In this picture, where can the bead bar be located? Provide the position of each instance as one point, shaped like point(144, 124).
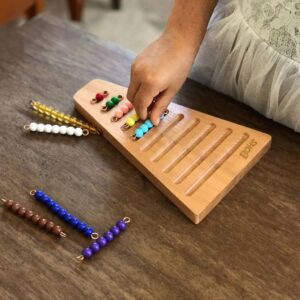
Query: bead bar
point(49, 112)
point(145, 127)
point(112, 103)
point(35, 218)
point(122, 111)
point(99, 97)
point(130, 121)
point(64, 215)
point(48, 128)
point(102, 241)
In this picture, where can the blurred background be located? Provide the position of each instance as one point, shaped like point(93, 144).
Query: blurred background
point(132, 24)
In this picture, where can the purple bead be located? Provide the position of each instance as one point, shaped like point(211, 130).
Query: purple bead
point(61, 212)
point(121, 225)
point(115, 230)
point(68, 217)
point(108, 236)
point(94, 247)
point(50, 203)
point(81, 226)
point(87, 253)
point(88, 231)
point(55, 208)
point(74, 222)
point(45, 199)
point(38, 195)
point(101, 241)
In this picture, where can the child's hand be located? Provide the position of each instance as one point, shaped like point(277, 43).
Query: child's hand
point(159, 72)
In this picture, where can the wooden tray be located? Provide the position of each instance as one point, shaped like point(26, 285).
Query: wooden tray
point(193, 158)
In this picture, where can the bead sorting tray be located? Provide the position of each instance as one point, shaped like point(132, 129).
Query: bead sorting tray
point(193, 158)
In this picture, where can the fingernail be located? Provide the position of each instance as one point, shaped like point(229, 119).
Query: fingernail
point(156, 122)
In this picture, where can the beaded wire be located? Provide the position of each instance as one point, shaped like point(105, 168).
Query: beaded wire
point(49, 112)
point(130, 122)
point(99, 97)
point(35, 218)
point(48, 128)
point(64, 214)
point(145, 127)
point(122, 111)
point(112, 103)
point(102, 241)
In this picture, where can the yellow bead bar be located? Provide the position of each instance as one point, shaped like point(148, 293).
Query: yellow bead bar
point(50, 112)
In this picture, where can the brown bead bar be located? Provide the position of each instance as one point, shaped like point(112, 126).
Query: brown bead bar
point(35, 218)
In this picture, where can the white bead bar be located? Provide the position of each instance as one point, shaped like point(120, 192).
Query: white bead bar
point(48, 128)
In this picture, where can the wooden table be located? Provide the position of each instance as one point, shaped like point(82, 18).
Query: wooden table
point(247, 248)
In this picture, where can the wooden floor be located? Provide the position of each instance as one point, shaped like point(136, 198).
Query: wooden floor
point(247, 248)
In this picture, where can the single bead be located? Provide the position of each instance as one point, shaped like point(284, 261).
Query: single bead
point(9, 203)
point(148, 123)
point(50, 203)
point(78, 131)
point(139, 133)
point(115, 100)
point(88, 231)
point(29, 214)
point(81, 226)
point(68, 217)
point(108, 236)
point(87, 253)
point(49, 225)
point(130, 122)
point(33, 126)
point(22, 211)
point(57, 230)
point(144, 127)
point(42, 222)
point(15, 207)
point(55, 129)
point(135, 117)
point(101, 241)
point(48, 128)
point(74, 222)
point(94, 247)
point(63, 129)
point(35, 218)
point(70, 130)
point(128, 104)
point(61, 212)
point(109, 104)
point(99, 97)
point(38, 195)
point(115, 230)
point(121, 225)
point(44, 199)
point(55, 208)
point(40, 127)
point(124, 109)
point(119, 114)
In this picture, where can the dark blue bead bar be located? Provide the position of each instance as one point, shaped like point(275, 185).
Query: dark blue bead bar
point(64, 215)
point(102, 241)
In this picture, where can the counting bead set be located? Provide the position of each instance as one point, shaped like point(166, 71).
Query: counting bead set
point(122, 111)
point(47, 128)
point(112, 103)
point(64, 215)
point(194, 159)
point(49, 112)
point(102, 241)
point(35, 218)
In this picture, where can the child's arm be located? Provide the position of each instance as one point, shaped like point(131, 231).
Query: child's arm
point(161, 69)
